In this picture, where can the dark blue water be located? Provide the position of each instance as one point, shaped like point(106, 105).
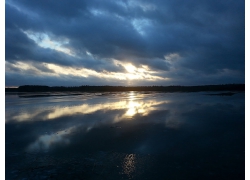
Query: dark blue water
point(128, 135)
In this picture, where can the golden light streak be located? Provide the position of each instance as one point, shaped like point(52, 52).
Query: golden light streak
point(130, 105)
point(142, 73)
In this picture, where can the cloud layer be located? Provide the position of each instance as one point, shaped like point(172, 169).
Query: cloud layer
point(96, 42)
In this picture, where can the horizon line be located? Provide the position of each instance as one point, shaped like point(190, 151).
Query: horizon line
point(130, 86)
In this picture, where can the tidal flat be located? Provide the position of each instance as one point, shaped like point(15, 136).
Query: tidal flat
point(125, 135)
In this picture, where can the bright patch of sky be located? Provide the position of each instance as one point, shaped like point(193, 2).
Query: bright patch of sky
point(172, 57)
point(43, 40)
point(97, 12)
point(133, 4)
point(89, 54)
point(141, 25)
point(144, 6)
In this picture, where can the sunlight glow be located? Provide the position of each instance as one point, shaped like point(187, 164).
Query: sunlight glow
point(136, 73)
point(130, 68)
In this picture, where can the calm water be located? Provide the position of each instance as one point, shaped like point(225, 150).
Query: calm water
point(128, 135)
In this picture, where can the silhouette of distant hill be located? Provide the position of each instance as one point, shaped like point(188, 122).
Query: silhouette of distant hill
point(86, 88)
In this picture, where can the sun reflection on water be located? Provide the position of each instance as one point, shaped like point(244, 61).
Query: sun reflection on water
point(132, 103)
point(135, 107)
point(132, 106)
point(129, 163)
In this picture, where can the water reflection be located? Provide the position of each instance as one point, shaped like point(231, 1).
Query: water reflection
point(129, 165)
point(131, 105)
point(44, 142)
point(117, 136)
point(134, 107)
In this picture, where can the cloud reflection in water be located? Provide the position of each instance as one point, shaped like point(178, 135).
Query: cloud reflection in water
point(44, 142)
point(130, 104)
point(132, 135)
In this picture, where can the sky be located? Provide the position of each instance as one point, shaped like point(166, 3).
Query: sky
point(129, 42)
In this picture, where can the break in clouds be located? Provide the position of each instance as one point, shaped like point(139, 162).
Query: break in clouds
point(128, 42)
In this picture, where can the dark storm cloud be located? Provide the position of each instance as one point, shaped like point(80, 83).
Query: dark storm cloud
point(20, 48)
point(207, 35)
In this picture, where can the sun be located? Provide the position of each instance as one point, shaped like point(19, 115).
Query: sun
point(130, 68)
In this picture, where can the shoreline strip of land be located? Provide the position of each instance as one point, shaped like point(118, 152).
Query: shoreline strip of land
point(87, 88)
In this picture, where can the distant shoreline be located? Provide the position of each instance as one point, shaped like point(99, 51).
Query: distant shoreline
point(86, 88)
